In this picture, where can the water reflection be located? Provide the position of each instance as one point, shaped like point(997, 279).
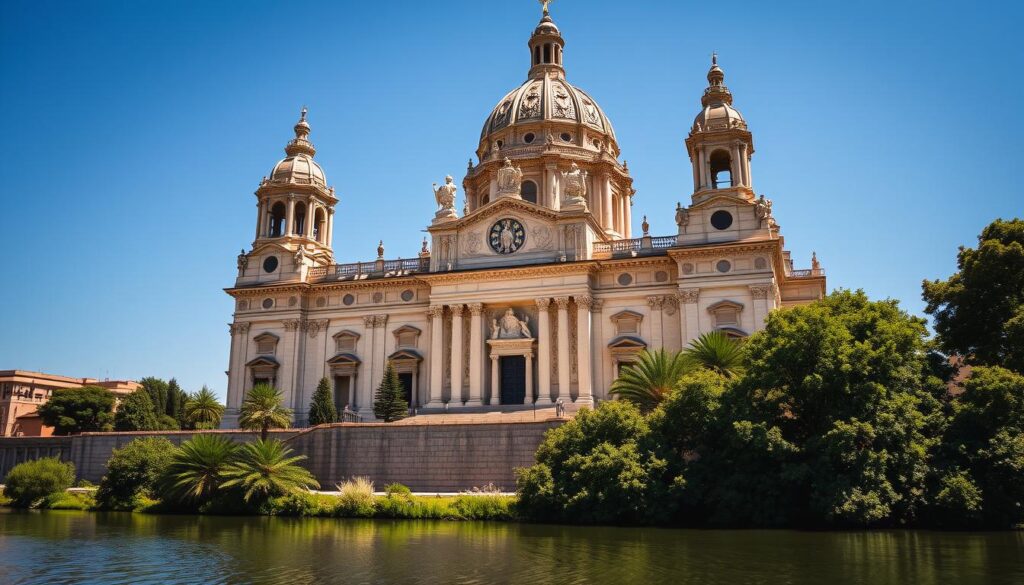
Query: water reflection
point(76, 547)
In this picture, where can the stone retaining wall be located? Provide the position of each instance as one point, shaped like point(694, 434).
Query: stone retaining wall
point(445, 457)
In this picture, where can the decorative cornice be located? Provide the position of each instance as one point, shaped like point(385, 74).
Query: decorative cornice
point(511, 273)
point(716, 250)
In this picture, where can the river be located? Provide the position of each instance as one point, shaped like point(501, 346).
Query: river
point(55, 547)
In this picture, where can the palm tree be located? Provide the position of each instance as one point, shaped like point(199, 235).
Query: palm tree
point(717, 352)
point(202, 411)
point(196, 467)
point(649, 380)
point(264, 470)
point(262, 409)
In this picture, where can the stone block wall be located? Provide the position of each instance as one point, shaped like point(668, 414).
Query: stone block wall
point(447, 457)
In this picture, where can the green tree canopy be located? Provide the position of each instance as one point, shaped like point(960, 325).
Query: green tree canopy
point(29, 482)
point(79, 410)
point(322, 409)
point(263, 409)
point(157, 390)
point(133, 471)
point(202, 410)
point(389, 402)
point(839, 389)
point(979, 310)
point(135, 413)
point(176, 399)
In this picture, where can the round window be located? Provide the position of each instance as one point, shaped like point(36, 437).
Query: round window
point(348, 299)
point(292, 301)
point(270, 264)
point(528, 138)
point(721, 219)
point(243, 305)
point(267, 303)
point(760, 263)
point(378, 297)
point(660, 276)
point(723, 266)
point(687, 268)
point(566, 137)
point(321, 302)
point(407, 295)
point(625, 279)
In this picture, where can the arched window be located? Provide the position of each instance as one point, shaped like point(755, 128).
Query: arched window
point(318, 226)
point(721, 169)
point(485, 199)
point(529, 191)
point(547, 53)
point(300, 219)
point(277, 220)
point(536, 55)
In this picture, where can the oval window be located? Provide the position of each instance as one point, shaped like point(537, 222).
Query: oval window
point(625, 279)
point(267, 303)
point(528, 138)
point(721, 219)
point(348, 299)
point(566, 137)
point(270, 264)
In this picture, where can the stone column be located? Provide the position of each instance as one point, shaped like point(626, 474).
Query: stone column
point(352, 391)
point(657, 328)
point(380, 355)
point(760, 293)
point(607, 218)
point(563, 348)
point(543, 352)
point(290, 220)
point(735, 165)
point(598, 354)
point(695, 164)
point(456, 349)
point(436, 357)
point(584, 346)
point(476, 346)
point(259, 219)
point(690, 325)
point(495, 383)
point(528, 399)
point(628, 214)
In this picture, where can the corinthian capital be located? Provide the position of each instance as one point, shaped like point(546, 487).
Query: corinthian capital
point(584, 302)
point(476, 309)
point(543, 303)
point(457, 310)
point(292, 324)
point(435, 311)
point(562, 302)
point(761, 291)
point(655, 302)
point(689, 295)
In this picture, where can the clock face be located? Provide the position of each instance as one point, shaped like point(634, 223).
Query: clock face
point(506, 236)
point(270, 264)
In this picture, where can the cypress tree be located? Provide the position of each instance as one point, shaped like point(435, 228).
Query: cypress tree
point(322, 409)
point(157, 390)
point(135, 413)
point(389, 402)
point(176, 398)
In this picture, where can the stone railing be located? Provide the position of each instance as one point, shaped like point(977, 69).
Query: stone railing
point(808, 273)
point(637, 245)
point(376, 268)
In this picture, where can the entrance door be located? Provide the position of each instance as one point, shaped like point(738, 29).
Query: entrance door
point(513, 379)
point(406, 380)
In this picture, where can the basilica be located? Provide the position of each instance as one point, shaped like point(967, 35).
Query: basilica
point(537, 290)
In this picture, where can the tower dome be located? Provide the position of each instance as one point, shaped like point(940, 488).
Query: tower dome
point(299, 166)
point(546, 109)
point(718, 112)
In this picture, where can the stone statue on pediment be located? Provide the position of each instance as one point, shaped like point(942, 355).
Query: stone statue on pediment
point(445, 198)
point(243, 260)
point(510, 180)
point(763, 211)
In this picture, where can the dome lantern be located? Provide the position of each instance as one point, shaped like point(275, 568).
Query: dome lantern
point(546, 45)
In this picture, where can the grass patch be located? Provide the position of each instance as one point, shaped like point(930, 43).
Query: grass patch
point(69, 501)
point(356, 503)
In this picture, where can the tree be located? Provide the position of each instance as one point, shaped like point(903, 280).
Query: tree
point(263, 410)
point(717, 352)
point(839, 387)
point(196, 469)
point(389, 402)
point(29, 482)
point(979, 310)
point(176, 398)
point(322, 409)
point(157, 390)
point(202, 410)
point(133, 471)
point(135, 413)
point(598, 468)
point(981, 459)
point(648, 380)
point(79, 410)
point(266, 469)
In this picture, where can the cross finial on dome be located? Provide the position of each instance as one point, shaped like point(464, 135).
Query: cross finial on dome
point(714, 58)
point(302, 114)
point(544, 4)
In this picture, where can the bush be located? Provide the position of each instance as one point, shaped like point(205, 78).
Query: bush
point(69, 501)
point(133, 471)
point(300, 504)
point(355, 499)
point(483, 508)
point(32, 481)
point(393, 489)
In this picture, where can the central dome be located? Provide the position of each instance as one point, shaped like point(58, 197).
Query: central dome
point(547, 99)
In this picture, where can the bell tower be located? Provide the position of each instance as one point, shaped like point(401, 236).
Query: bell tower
point(720, 145)
point(294, 218)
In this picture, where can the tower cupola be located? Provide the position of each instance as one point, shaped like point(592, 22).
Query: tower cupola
point(546, 45)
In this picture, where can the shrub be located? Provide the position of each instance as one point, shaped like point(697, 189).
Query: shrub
point(133, 471)
point(32, 481)
point(397, 489)
point(483, 508)
point(299, 504)
point(69, 501)
point(265, 469)
point(196, 469)
point(355, 499)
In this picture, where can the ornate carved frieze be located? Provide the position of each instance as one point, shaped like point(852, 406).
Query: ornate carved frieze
point(380, 320)
point(369, 320)
point(689, 295)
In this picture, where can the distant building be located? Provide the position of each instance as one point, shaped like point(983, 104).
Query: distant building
point(536, 289)
point(21, 393)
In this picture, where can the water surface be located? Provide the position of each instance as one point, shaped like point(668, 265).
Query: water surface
point(79, 547)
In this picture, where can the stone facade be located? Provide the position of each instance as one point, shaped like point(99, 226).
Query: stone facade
point(545, 234)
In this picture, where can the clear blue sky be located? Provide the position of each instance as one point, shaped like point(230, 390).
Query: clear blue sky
point(134, 134)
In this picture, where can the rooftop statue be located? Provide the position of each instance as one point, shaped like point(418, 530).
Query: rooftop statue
point(445, 198)
point(510, 180)
point(574, 187)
